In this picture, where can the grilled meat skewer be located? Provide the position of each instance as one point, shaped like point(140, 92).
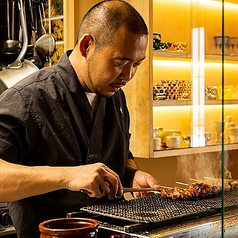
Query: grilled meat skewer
point(229, 184)
point(193, 190)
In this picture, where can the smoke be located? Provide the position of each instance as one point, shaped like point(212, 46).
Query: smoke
point(204, 165)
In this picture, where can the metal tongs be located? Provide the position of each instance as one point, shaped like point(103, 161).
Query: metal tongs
point(132, 190)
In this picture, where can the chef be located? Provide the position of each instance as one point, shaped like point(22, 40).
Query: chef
point(64, 130)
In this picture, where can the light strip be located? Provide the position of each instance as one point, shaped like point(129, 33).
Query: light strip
point(198, 100)
point(217, 3)
point(214, 3)
point(175, 63)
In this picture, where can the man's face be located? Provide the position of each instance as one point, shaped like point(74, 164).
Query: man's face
point(114, 65)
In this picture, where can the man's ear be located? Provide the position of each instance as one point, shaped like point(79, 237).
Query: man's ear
point(84, 44)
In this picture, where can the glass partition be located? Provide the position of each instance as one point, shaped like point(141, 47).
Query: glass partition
point(195, 91)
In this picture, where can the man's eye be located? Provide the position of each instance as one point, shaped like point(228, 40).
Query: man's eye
point(120, 64)
point(137, 64)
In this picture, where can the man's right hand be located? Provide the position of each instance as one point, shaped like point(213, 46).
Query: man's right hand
point(97, 180)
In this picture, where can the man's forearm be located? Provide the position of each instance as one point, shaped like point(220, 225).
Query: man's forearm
point(19, 181)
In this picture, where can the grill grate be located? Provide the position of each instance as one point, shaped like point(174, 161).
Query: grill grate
point(154, 209)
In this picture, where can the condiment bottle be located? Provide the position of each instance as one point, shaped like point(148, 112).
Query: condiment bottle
point(228, 123)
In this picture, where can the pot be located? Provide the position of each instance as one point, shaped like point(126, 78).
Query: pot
point(20, 68)
point(9, 77)
point(168, 132)
point(69, 227)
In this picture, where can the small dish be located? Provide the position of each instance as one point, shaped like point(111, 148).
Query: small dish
point(164, 46)
point(180, 46)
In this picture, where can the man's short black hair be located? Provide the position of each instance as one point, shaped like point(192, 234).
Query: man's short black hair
point(106, 17)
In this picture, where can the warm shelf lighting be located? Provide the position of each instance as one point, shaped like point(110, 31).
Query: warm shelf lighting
point(171, 108)
point(198, 85)
point(216, 3)
point(180, 63)
point(174, 63)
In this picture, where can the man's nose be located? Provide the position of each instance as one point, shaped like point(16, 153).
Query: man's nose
point(128, 73)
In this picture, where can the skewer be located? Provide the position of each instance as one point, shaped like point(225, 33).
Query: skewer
point(209, 178)
point(195, 180)
point(216, 179)
point(165, 187)
point(185, 184)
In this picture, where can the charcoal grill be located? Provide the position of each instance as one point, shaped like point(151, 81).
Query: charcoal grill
point(144, 214)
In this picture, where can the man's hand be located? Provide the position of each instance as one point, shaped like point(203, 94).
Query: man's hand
point(143, 180)
point(97, 180)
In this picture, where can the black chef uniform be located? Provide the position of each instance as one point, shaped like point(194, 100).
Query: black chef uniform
point(46, 119)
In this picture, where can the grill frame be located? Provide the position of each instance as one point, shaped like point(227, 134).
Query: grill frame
point(182, 210)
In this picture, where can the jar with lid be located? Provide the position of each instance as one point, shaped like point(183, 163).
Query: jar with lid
point(156, 138)
point(156, 41)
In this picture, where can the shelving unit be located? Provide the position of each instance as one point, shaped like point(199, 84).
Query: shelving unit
point(158, 103)
point(170, 55)
point(146, 113)
point(194, 150)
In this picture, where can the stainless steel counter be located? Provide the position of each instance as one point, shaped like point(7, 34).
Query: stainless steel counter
point(210, 227)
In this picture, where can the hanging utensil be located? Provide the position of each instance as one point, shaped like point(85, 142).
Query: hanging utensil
point(35, 59)
point(8, 20)
point(42, 19)
point(11, 45)
point(20, 34)
point(18, 62)
point(46, 45)
point(13, 19)
point(21, 67)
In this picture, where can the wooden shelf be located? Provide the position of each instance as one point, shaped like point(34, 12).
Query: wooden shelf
point(188, 102)
point(172, 54)
point(171, 103)
point(187, 55)
point(189, 151)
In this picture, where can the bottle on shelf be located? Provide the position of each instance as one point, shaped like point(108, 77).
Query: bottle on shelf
point(228, 123)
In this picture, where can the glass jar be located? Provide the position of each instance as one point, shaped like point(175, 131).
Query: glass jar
point(156, 41)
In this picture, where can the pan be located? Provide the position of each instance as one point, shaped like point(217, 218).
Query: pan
point(21, 67)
